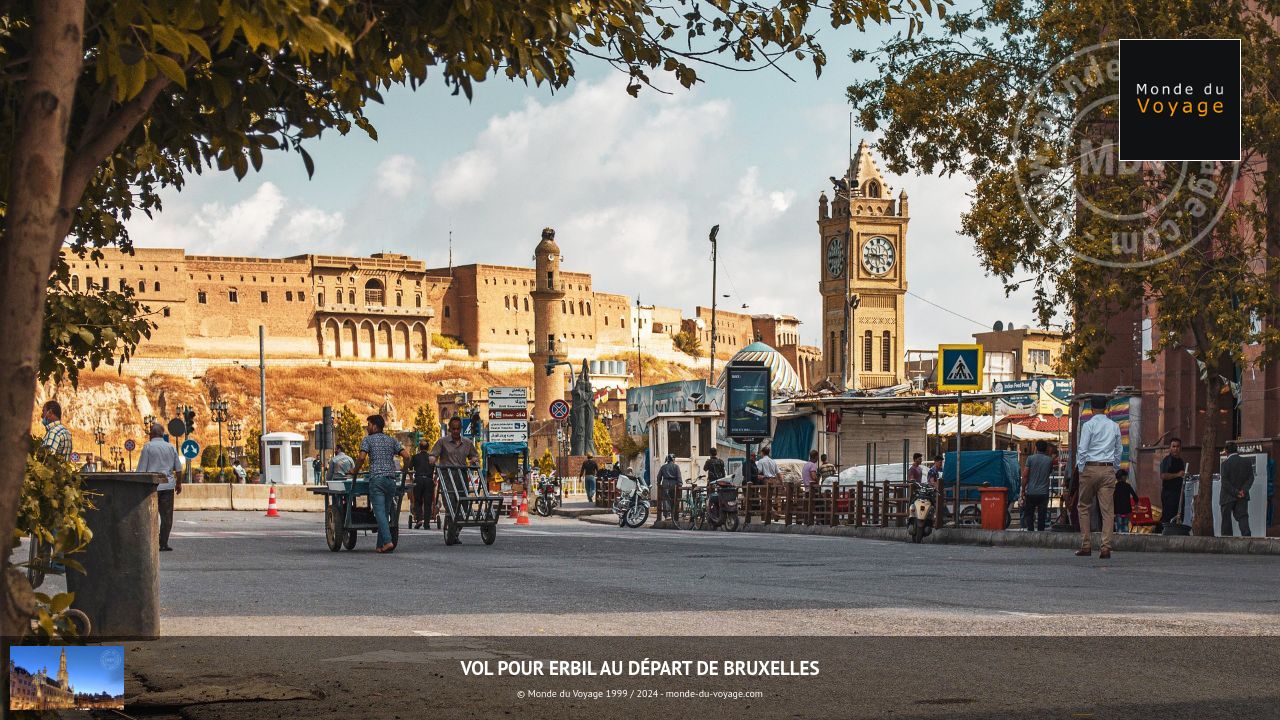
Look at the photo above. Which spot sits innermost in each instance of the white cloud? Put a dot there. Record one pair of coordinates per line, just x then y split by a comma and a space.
311, 227
396, 176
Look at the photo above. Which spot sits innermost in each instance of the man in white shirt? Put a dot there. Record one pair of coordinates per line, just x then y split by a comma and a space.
767, 467
158, 456
1098, 451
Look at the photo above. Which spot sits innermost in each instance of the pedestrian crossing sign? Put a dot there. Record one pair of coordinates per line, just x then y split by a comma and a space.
960, 367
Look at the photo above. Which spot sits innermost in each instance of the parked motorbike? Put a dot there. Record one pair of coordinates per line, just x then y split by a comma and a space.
920, 516
722, 505
549, 496
632, 505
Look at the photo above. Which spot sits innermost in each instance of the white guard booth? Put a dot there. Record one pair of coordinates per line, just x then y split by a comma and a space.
284, 458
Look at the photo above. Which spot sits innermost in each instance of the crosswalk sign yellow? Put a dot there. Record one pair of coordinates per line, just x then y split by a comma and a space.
960, 367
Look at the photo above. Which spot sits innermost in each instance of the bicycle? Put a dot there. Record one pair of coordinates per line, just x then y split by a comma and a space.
693, 507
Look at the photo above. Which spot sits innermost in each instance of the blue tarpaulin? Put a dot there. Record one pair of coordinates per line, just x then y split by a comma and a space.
997, 468
504, 448
792, 439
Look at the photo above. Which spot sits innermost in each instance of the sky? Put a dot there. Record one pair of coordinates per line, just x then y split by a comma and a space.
91, 669
632, 187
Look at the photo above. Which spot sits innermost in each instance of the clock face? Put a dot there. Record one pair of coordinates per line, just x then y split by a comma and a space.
835, 257
877, 255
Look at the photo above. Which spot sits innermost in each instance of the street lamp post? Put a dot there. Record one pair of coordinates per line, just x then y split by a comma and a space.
715, 230
117, 456
100, 435
147, 422
234, 433
219, 410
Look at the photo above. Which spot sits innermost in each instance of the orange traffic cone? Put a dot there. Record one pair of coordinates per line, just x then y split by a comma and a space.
514, 512
271, 503
524, 510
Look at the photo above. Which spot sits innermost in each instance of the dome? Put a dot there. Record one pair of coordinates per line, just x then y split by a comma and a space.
783, 377
548, 242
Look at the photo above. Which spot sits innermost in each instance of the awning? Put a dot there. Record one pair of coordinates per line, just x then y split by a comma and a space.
981, 425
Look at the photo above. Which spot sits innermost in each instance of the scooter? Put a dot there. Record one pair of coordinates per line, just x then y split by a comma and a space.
548, 496
722, 505
632, 505
920, 515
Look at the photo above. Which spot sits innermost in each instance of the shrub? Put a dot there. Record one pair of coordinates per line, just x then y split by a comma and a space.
688, 343
446, 342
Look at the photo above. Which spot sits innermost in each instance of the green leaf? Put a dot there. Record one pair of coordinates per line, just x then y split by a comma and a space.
170, 68
307, 161
172, 40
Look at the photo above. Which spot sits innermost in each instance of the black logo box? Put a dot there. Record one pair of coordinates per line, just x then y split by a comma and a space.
1186, 68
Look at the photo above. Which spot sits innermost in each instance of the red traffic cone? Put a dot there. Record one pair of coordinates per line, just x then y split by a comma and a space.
524, 510
271, 503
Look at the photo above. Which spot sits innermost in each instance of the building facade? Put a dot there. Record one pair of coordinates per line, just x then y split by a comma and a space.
1035, 352
863, 234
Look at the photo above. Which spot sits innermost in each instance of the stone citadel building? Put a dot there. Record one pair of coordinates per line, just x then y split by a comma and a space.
391, 308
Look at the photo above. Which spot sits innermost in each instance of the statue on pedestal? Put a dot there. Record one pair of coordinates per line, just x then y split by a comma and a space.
582, 415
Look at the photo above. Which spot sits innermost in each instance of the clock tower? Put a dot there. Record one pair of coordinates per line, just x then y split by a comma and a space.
863, 233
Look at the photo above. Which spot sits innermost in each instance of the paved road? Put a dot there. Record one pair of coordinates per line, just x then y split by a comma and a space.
243, 574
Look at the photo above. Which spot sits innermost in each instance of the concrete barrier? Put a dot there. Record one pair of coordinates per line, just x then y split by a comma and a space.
225, 496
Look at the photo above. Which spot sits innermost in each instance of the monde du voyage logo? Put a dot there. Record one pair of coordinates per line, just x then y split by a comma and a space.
1179, 100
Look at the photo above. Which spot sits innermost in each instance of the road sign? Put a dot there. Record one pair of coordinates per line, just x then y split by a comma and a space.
509, 393
509, 426
560, 435
960, 367
508, 403
559, 409
75, 457
511, 437
502, 414
190, 449
130, 445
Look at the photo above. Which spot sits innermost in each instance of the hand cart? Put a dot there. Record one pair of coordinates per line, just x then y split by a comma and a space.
345, 516
467, 503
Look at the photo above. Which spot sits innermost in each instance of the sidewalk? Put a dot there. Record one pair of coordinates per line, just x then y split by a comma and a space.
1121, 542
578, 507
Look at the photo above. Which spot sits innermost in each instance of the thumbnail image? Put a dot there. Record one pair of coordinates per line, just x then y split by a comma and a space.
86, 678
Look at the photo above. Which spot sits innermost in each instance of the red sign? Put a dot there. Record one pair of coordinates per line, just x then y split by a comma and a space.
509, 414
559, 409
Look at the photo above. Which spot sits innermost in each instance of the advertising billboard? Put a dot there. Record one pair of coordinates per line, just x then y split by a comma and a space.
748, 407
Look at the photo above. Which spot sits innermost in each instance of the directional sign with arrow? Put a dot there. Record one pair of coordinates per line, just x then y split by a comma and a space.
960, 367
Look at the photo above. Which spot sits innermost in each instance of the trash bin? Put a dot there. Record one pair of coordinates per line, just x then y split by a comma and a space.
993, 501
120, 587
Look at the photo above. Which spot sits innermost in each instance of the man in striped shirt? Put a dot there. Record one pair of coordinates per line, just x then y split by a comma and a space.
381, 450
57, 437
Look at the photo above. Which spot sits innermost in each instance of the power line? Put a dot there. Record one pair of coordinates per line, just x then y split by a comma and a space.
944, 309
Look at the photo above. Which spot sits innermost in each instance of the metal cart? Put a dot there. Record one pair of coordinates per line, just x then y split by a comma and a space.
345, 516
467, 503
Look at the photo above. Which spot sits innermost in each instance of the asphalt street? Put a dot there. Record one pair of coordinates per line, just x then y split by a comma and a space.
239, 574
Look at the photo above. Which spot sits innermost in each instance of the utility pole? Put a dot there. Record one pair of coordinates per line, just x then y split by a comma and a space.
262, 402
635, 325
715, 230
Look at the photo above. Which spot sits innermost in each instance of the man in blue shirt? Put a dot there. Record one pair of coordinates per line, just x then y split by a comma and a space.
1098, 451
381, 451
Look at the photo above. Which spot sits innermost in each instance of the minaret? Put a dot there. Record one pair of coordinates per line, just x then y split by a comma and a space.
63, 681
547, 294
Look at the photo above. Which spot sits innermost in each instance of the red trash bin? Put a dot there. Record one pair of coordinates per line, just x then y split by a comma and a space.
993, 505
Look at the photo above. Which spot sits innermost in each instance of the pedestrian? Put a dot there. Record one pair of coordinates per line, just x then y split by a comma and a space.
713, 467
809, 474
57, 438
1097, 458
158, 456
1035, 488
750, 471
381, 450
915, 473
670, 480
589, 472
424, 488
340, 465
1173, 473
1233, 494
935, 473
453, 449
1125, 500
238, 469
768, 467
825, 469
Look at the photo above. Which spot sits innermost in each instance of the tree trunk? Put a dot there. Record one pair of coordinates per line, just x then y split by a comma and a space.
1202, 524
30, 243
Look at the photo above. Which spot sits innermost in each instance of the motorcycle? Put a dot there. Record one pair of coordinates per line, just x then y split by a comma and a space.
722, 505
548, 496
632, 505
921, 514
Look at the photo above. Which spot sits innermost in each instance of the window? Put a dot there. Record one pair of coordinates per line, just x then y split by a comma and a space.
580, 308
866, 352
295, 455
106, 283
75, 283
398, 296
288, 295
550, 275
571, 309
1038, 357
886, 353
351, 297
142, 286
202, 298
506, 302
273, 456
704, 436
564, 307
446, 311
233, 296
678, 438
301, 296
417, 300
373, 294
320, 298
588, 309
551, 343
155, 287
165, 311
263, 295
526, 304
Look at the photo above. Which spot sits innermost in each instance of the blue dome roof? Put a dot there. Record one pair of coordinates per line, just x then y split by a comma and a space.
783, 377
